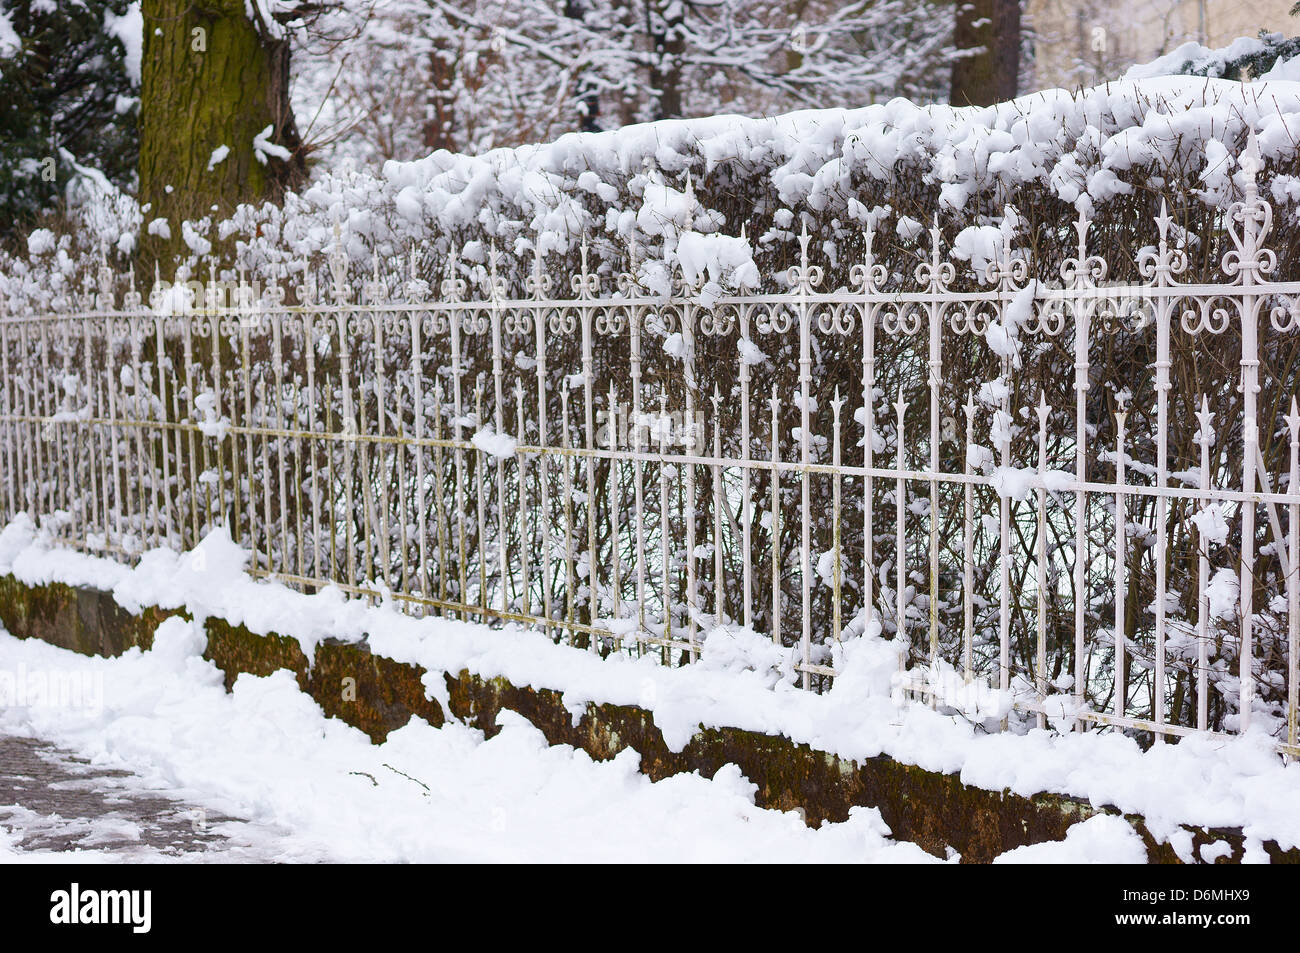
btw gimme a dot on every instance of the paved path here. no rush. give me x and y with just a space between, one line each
52 800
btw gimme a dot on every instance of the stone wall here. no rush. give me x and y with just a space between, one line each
378 695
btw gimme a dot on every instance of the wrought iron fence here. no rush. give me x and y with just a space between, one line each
633 470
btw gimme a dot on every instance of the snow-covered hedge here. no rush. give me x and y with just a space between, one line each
1114 151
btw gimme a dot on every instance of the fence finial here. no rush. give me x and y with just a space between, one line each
1081 229
87 290
373 289
453 286
494 287
155 292
1251 162
339 266
306 288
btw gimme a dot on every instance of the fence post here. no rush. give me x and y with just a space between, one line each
747 508
934 364
538 288
1085 274
1166 265
1040 658
635 317
6 380
900 517
1252 263
804 284
868 276
1121 547
1204 435
1293 581
497 291
587 285
968 549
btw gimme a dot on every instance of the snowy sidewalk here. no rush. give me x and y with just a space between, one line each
53 802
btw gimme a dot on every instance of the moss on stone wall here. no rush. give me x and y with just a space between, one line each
83 620
368 691
235 650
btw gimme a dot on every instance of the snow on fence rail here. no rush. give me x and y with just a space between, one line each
631 471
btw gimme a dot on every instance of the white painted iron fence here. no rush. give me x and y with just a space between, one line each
1083 493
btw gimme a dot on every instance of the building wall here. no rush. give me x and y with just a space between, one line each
1083 42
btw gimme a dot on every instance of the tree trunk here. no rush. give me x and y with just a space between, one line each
668 47
588 99
440 127
990 75
209 78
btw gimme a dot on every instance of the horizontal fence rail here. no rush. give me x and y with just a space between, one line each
934 455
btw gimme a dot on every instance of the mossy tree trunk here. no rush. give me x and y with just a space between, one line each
211 77
990 75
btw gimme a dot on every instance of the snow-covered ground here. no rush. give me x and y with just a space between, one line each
266 753
312 788
318 789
